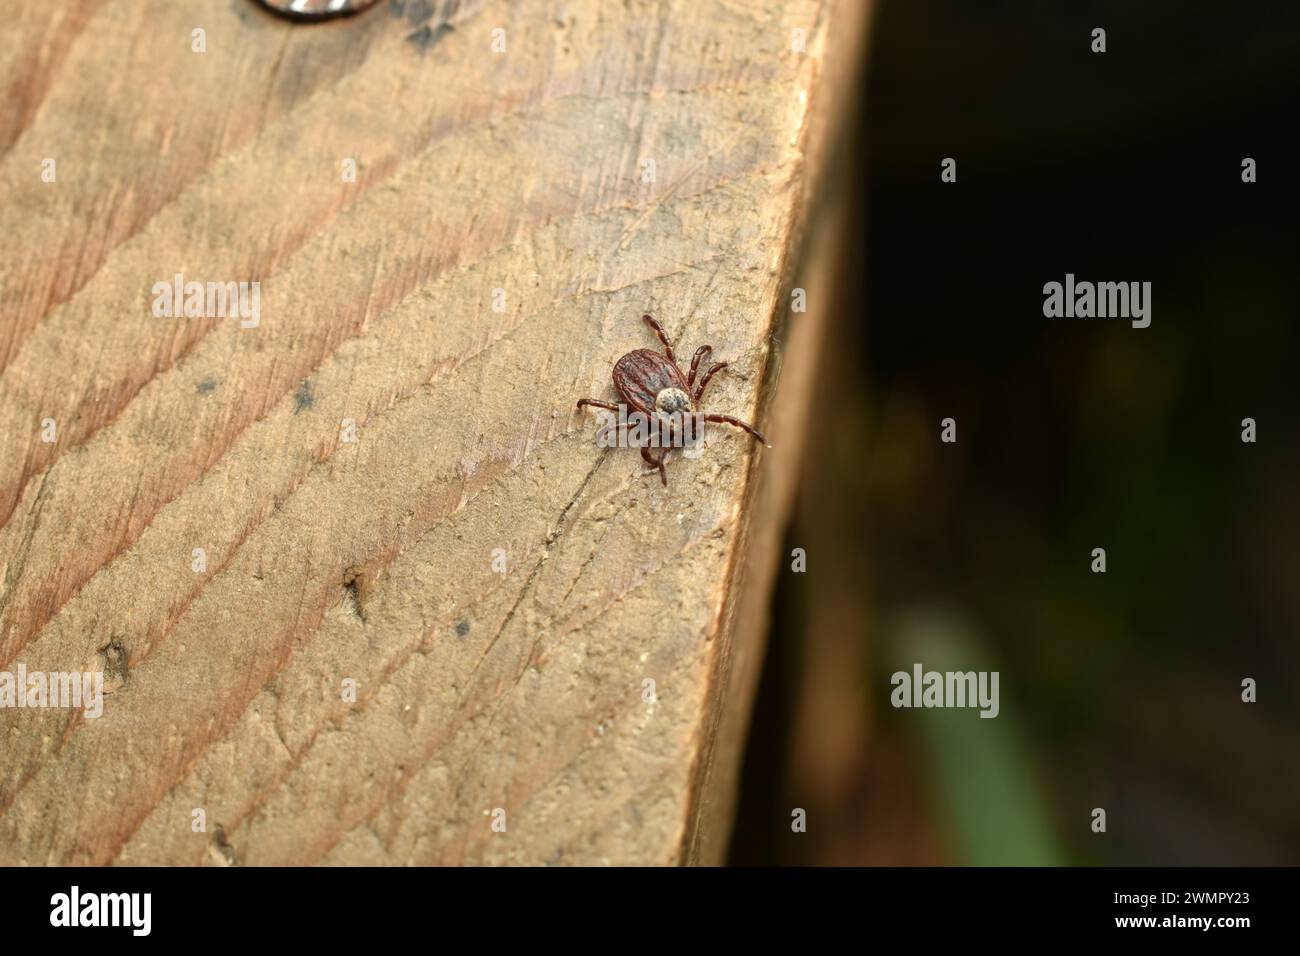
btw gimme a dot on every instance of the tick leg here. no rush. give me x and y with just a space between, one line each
663 474
663 337
598 403
713 370
728 420
700 353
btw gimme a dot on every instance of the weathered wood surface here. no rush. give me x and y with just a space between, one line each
372 560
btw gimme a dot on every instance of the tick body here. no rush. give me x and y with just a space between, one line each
654 385
317 9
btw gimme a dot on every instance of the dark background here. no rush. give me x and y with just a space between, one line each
1119 690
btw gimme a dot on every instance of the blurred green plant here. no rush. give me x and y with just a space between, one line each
981 777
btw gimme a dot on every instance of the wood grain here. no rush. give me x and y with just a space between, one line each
372 560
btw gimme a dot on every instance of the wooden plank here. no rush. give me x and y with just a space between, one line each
486 268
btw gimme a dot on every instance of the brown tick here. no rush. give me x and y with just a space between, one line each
655 386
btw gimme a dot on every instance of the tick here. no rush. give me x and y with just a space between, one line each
655 386
317 9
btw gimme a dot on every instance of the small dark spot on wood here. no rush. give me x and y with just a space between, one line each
462 628
397 8
305 397
222 845
352 595
418 12
425 37
115 661
207 386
